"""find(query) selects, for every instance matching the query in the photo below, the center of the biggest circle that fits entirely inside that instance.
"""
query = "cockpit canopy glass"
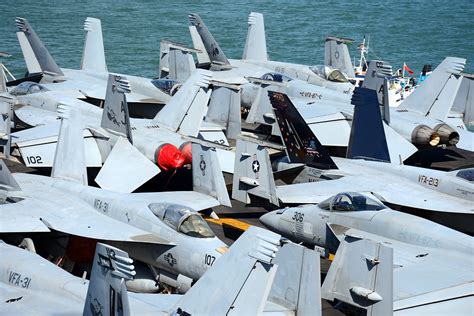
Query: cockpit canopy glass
(466, 174)
(350, 202)
(28, 87)
(329, 73)
(182, 219)
(275, 76)
(168, 86)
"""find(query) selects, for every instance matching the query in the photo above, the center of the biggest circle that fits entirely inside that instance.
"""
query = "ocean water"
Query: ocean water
(417, 32)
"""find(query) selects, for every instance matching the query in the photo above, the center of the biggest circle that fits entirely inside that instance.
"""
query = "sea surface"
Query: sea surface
(415, 32)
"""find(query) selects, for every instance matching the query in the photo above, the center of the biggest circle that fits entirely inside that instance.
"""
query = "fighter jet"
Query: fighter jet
(255, 60)
(444, 197)
(89, 82)
(432, 264)
(260, 281)
(166, 229)
(150, 146)
(423, 117)
(423, 124)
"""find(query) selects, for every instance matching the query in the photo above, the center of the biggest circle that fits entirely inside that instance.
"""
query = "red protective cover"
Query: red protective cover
(169, 157)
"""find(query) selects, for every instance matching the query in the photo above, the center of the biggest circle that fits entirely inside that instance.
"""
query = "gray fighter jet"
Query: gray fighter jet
(432, 264)
(421, 119)
(263, 269)
(165, 228)
(445, 197)
(136, 148)
(89, 82)
(255, 61)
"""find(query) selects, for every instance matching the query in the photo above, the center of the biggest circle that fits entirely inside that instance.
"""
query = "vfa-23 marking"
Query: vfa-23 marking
(428, 180)
(17, 279)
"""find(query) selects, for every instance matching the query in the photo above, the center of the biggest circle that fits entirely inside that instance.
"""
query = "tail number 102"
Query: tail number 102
(34, 160)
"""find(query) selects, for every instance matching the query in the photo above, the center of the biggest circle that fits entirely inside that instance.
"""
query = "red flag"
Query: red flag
(405, 67)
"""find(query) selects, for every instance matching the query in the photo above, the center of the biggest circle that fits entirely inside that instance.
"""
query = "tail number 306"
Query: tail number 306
(298, 217)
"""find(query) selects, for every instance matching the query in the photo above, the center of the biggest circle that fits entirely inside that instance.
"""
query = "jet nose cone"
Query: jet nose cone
(270, 220)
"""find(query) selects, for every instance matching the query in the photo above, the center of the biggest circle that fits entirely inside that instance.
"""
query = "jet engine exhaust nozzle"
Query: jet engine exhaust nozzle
(447, 134)
(423, 135)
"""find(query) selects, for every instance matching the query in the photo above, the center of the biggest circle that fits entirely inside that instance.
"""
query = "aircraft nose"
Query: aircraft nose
(270, 220)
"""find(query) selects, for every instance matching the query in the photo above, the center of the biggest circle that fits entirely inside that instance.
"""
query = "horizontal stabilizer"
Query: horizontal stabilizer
(125, 168)
(250, 259)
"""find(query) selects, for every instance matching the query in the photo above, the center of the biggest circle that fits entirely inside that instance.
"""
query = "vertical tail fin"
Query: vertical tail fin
(69, 160)
(107, 293)
(298, 273)
(302, 146)
(250, 259)
(3, 79)
(185, 111)
(124, 160)
(213, 49)
(6, 112)
(207, 174)
(176, 61)
(374, 77)
(464, 101)
(366, 283)
(336, 54)
(253, 173)
(224, 109)
(203, 58)
(255, 44)
(31, 62)
(115, 116)
(45, 60)
(435, 96)
(93, 55)
(367, 138)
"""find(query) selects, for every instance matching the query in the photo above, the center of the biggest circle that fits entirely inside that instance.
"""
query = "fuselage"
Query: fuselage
(308, 224)
(191, 256)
